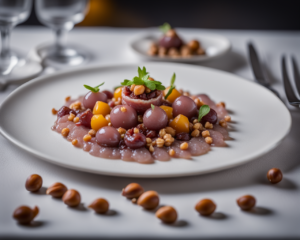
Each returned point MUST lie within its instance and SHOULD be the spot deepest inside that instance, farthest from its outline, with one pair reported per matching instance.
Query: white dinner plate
(261, 120)
(214, 45)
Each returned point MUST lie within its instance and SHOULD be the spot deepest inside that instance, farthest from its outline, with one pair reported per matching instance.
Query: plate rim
(55, 161)
(152, 31)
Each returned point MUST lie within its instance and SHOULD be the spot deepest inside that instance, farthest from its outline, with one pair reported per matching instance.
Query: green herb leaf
(169, 92)
(137, 81)
(89, 88)
(150, 84)
(165, 27)
(172, 86)
(142, 79)
(204, 110)
(93, 89)
(142, 73)
(160, 87)
(152, 106)
(125, 82)
(173, 79)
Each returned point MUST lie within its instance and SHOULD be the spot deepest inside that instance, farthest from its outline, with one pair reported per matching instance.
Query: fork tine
(287, 85)
(296, 74)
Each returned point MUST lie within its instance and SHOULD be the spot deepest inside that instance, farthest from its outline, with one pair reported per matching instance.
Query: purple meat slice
(141, 105)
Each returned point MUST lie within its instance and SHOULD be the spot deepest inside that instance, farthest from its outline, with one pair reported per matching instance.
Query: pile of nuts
(140, 89)
(193, 48)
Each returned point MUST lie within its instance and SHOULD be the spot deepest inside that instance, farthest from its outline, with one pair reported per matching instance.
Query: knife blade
(256, 65)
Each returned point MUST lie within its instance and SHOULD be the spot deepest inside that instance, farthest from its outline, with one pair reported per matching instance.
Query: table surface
(277, 214)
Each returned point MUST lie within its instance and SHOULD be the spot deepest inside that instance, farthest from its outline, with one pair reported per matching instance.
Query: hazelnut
(185, 51)
(34, 183)
(25, 215)
(194, 45)
(153, 50)
(65, 131)
(173, 52)
(201, 51)
(56, 190)
(100, 205)
(149, 200)
(246, 202)
(171, 33)
(162, 51)
(138, 90)
(171, 152)
(184, 146)
(74, 142)
(71, 198)
(132, 190)
(205, 207)
(274, 175)
(167, 214)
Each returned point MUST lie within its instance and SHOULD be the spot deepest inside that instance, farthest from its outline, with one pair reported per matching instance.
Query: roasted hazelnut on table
(274, 175)
(132, 190)
(205, 207)
(167, 214)
(33, 183)
(100, 205)
(246, 202)
(72, 198)
(148, 200)
(57, 190)
(24, 214)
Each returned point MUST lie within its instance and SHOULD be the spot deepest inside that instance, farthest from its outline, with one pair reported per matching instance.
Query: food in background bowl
(171, 44)
(142, 121)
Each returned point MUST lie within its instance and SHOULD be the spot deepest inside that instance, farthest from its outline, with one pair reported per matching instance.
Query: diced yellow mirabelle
(118, 93)
(172, 97)
(180, 124)
(98, 121)
(101, 108)
(168, 110)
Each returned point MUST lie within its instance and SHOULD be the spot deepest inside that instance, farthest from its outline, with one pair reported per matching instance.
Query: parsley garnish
(204, 110)
(152, 106)
(172, 86)
(142, 79)
(93, 89)
(165, 27)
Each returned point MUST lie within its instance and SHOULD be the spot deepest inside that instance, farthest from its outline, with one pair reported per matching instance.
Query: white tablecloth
(277, 214)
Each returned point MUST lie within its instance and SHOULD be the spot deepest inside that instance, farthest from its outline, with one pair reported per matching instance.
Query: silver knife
(257, 69)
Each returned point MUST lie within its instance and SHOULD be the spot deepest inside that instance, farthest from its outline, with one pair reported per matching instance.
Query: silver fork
(291, 96)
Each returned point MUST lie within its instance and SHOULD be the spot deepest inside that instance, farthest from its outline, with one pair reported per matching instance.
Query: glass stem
(60, 39)
(5, 32)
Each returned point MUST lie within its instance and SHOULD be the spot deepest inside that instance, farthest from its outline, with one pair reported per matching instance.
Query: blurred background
(214, 14)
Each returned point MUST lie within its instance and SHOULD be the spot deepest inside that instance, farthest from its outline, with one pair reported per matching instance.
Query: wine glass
(61, 16)
(12, 12)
